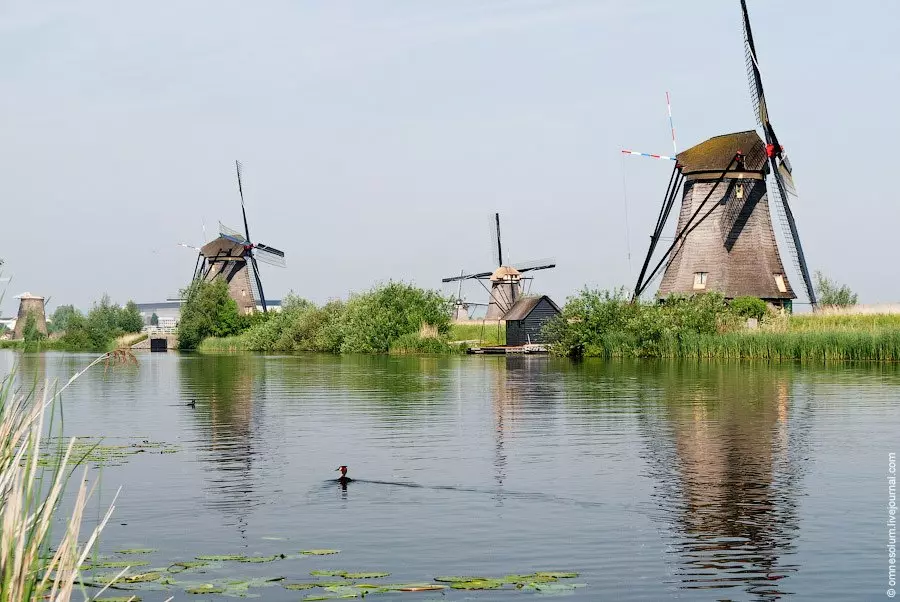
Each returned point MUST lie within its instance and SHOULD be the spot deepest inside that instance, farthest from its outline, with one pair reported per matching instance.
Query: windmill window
(779, 282)
(700, 280)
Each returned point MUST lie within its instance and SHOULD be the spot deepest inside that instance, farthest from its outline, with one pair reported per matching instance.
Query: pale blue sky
(377, 136)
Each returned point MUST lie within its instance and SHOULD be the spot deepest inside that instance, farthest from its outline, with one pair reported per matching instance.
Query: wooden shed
(527, 317)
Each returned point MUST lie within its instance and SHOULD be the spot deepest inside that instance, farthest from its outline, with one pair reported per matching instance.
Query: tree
(208, 311)
(830, 292)
(61, 318)
(154, 319)
(749, 307)
(130, 319)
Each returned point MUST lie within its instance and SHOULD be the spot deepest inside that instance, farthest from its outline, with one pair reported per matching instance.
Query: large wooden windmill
(505, 280)
(233, 257)
(724, 240)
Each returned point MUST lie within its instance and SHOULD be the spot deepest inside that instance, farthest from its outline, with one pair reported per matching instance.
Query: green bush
(99, 329)
(370, 322)
(749, 307)
(208, 311)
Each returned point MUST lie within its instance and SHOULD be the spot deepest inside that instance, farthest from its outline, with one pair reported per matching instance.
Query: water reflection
(223, 387)
(725, 480)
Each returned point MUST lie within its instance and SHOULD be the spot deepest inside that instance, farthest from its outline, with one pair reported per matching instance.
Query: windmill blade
(237, 168)
(267, 256)
(536, 264)
(187, 246)
(231, 234)
(495, 239)
(753, 73)
(467, 277)
(785, 174)
(259, 287)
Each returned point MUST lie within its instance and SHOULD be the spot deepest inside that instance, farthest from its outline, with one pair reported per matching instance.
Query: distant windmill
(724, 240)
(506, 279)
(233, 256)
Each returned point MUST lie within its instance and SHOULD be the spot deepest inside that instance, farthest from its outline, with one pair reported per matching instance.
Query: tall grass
(487, 333)
(30, 495)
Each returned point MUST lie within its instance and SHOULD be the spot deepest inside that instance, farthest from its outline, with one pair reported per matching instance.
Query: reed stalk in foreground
(30, 495)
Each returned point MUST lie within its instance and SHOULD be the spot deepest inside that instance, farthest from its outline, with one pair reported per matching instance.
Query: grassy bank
(605, 324)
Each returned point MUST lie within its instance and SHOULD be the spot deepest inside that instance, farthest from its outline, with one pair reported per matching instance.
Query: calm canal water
(653, 480)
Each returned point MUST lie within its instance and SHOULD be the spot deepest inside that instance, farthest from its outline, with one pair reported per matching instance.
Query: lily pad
(206, 588)
(415, 587)
(141, 577)
(186, 565)
(368, 575)
(137, 551)
(552, 587)
(557, 575)
(120, 564)
(299, 586)
(478, 584)
(260, 558)
(454, 579)
(327, 573)
(220, 557)
(319, 552)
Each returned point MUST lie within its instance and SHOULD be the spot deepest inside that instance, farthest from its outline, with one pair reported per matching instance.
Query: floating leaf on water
(206, 588)
(319, 552)
(368, 575)
(344, 591)
(414, 587)
(137, 551)
(552, 587)
(141, 577)
(186, 565)
(267, 538)
(327, 573)
(221, 557)
(454, 579)
(478, 584)
(298, 586)
(260, 558)
(556, 575)
(120, 564)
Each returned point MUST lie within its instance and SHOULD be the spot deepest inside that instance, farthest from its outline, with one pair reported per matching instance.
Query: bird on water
(343, 478)
(192, 403)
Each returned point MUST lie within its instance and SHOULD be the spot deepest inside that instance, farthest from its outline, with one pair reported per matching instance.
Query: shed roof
(525, 305)
(716, 153)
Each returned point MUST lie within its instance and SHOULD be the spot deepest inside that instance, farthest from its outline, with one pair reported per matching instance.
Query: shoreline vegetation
(106, 327)
(605, 324)
(398, 318)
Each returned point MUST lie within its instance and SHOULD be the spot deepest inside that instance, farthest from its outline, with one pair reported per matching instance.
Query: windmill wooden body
(505, 280)
(233, 257)
(30, 305)
(724, 240)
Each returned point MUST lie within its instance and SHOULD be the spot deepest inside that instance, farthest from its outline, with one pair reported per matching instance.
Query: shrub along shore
(605, 324)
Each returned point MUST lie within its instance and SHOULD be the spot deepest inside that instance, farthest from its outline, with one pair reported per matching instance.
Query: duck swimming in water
(343, 478)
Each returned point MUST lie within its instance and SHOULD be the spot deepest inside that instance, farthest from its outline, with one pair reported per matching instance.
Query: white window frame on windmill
(700, 279)
(779, 282)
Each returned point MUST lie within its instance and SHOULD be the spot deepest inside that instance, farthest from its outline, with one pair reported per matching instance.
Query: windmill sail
(780, 166)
